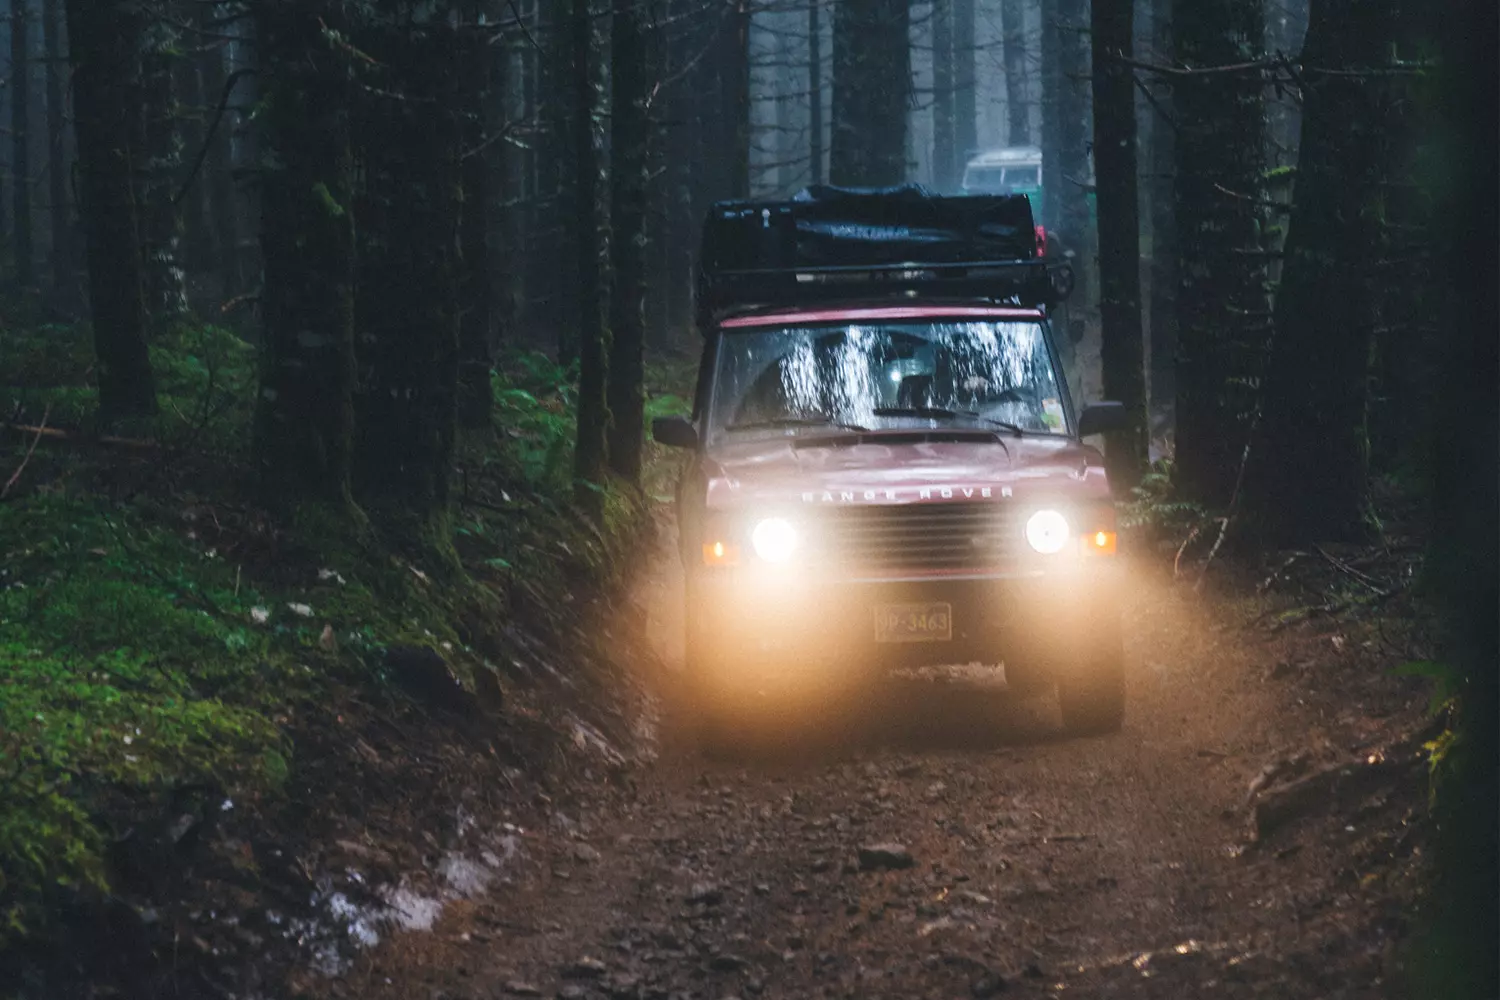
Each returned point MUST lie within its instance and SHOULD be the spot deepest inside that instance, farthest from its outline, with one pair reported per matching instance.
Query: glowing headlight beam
(1047, 531)
(774, 539)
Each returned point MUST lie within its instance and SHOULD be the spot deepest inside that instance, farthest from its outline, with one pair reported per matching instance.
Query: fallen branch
(1234, 499)
(1189, 71)
(1351, 572)
(1283, 206)
(1177, 563)
(1266, 583)
(77, 437)
(1223, 530)
(1337, 786)
(1292, 617)
(16, 476)
(239, 300)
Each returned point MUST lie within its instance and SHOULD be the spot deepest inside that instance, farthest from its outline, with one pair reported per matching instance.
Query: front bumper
(799, 626)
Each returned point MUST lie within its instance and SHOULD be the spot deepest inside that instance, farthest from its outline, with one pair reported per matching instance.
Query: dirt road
(951, 843)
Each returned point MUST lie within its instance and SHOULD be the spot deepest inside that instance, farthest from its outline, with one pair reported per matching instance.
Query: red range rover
(887, 469)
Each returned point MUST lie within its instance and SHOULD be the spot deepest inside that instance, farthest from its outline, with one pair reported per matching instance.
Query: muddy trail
(1254, 831)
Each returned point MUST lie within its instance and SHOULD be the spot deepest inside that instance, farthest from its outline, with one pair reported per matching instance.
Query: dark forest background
(1248, 190)
(347, 245)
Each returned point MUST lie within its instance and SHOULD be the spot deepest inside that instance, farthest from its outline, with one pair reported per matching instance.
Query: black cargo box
(830, 227)
(841, 243)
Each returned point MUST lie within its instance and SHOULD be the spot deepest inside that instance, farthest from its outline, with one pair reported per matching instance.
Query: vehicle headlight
(1047, 531)
(774, 540)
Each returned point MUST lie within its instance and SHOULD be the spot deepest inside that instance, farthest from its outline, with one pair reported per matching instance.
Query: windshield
(1002, 179)
(893, 375)
(1018, 177)
(985, 179)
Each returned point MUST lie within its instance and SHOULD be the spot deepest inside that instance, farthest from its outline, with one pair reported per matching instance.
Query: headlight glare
(774, 539)
(1047, 532)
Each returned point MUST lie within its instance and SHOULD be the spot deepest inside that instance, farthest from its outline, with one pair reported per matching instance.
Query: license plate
(913, 622)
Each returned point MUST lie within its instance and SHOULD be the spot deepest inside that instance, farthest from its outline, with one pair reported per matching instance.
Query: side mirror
(1102, 418)
(674, 432)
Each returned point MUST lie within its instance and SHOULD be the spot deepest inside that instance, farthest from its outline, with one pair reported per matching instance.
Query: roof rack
(831, 244)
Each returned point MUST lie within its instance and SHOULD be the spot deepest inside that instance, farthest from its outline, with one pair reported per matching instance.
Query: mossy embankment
(195, 693)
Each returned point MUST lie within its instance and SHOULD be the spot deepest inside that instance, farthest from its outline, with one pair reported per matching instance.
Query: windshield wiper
(939, 413)
(807, 420)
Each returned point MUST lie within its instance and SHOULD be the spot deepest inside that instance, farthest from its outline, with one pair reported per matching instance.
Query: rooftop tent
(846, 243)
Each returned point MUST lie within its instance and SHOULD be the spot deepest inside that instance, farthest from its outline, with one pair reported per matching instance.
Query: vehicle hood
(901, 467)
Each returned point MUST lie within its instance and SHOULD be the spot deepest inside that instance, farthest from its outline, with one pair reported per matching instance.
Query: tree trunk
(556, 278)
(1455, 954)
(1074, 116)
(1123, 355)
(243, 154)
(103, 42)
(1308, 477)
(1018, 115)
(628, 165)
(476, 325)
(965, 84)
(20, 124)
(593, 413)
(161, 230)
(1051, 53)
(734, 113)
(1221, 298)
(193, 116)
(945, 165)
(1161, 189)
(305, 421)
(408, 140)
(1286, 26)
(815, 90)
(675, 283)
(871, 93)
(60, 220)
(218, 176)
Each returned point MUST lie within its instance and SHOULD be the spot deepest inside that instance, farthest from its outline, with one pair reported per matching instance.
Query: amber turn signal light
(1100, 543)
(720, 554)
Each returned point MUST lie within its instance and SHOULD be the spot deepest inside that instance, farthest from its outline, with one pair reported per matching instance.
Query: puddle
(411, 911)
(346, 926)
(464, 876)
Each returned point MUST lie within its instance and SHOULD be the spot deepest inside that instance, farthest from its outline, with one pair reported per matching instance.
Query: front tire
(715, 727)
(1091, 692)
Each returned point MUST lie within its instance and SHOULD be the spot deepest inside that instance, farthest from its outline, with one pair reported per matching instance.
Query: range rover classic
(887, 470)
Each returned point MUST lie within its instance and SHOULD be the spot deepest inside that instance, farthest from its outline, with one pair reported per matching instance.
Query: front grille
(934, 536)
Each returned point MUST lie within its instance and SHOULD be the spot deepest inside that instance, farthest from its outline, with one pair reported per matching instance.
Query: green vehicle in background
(1010, 170)
(1016, 170)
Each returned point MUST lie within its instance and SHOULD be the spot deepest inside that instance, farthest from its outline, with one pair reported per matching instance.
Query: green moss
(153, 642)
(120, 668)
(205, 374)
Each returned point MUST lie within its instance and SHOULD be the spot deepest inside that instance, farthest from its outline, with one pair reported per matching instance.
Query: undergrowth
(158, 632)
(1155, 511)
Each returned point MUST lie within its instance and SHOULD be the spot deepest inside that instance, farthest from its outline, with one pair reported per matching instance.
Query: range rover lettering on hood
(913, 493)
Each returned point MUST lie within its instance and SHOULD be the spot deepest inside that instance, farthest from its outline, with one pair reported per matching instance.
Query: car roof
(794, 317)
(1011, 155)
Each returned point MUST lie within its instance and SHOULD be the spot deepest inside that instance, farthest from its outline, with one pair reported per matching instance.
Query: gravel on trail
(947, 841)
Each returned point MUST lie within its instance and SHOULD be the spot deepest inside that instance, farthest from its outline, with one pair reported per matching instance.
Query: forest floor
(1257, 829)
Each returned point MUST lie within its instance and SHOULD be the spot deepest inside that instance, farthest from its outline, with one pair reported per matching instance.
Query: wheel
(1025, 677)
(1091, 691)
(718, 730)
